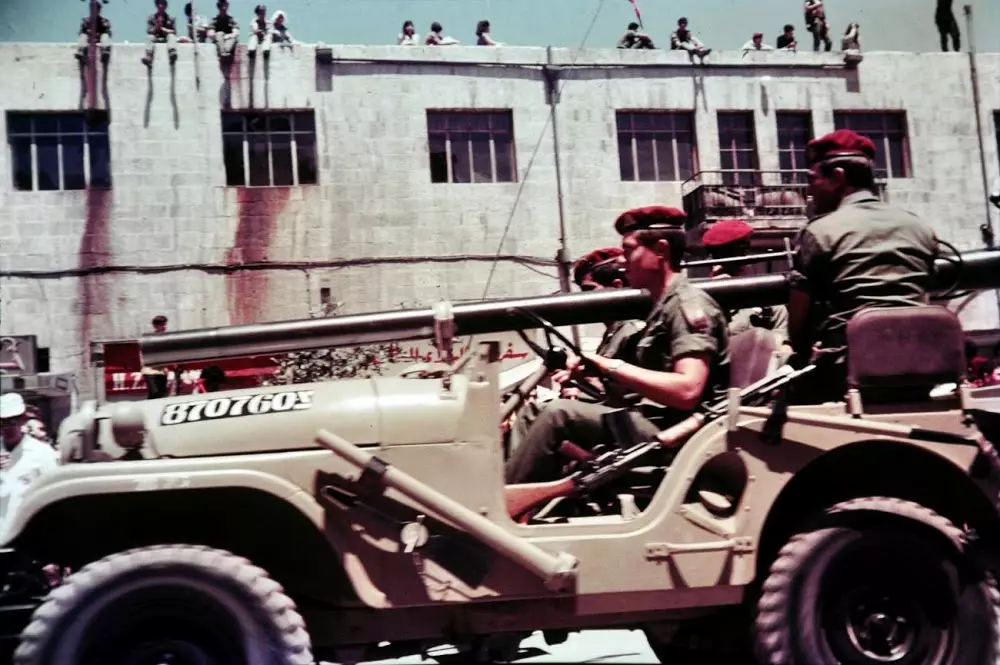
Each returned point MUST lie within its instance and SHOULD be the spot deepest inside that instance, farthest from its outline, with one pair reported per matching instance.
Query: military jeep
(366, 519)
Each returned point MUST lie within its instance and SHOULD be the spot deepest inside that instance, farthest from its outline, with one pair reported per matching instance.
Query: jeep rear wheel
(864, 592)
(179, 604)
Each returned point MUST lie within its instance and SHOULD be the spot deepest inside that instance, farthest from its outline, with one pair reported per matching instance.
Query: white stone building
(216, 203)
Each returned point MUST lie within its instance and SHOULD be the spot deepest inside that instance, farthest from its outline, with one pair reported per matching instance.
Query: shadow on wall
(173, 97)
(104, 85)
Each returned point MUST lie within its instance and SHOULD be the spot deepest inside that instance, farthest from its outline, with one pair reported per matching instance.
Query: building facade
(382, 177)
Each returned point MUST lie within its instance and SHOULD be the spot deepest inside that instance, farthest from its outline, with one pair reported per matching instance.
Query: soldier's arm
(687, 338)
(806, 276)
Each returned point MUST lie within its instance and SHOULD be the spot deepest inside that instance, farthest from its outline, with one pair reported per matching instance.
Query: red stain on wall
(258, 209)
(94, 252)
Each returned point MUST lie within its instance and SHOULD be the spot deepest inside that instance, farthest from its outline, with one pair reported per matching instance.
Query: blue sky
(893, 25)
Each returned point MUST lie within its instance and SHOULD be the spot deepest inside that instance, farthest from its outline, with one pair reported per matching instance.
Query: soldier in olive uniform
(600, 269)
(680, 358)
(859, 252)
(730, 238)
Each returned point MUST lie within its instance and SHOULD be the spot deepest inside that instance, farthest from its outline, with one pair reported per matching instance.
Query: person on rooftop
(224, 30)
(435, 38)
(279, 30)
(817, 24)
(160, 28)
(103, 37)
(483, 35)
(756, 44)
(634, 38)
(260, 33)
(852, 38)
(947, 26)
(408, 36)
(786, 40)
(683, 39)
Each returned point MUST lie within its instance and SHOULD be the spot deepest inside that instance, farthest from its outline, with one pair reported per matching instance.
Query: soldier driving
(600, 269)
(859, 252)
(679, 359)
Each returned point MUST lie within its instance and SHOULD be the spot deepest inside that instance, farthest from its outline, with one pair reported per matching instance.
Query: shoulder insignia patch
(695, 315)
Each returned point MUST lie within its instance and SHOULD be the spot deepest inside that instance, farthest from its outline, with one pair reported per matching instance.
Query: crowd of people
(263, 32)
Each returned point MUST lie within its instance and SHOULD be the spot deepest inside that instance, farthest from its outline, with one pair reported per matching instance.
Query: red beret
(726, 232)
(586, 264)
(841, 143)
(649, 217)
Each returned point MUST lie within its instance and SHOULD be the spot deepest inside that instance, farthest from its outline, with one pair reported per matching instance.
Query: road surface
(595, 646)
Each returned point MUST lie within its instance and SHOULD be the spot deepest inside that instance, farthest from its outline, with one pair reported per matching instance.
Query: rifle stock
(522, 498)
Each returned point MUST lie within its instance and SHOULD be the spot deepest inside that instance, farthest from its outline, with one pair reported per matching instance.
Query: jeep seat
(752, 355)
(897, 355)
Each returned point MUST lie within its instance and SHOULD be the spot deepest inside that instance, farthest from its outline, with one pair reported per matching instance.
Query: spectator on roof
(279, 30)
(483, 35)
(408, 37)
(817, 24)
(947, 26)
(197, 27)
(786, 40)
(634, 38)
(434, 37)
(852, 38)
(683, 39)
(756, 44)
(260, 33)
(103, 36)
(224, 30)
(160, 28)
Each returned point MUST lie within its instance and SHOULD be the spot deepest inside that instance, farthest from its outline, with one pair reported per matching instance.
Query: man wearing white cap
(22, 457)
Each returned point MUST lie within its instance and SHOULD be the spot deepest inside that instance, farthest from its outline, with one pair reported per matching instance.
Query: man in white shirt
(23, 458)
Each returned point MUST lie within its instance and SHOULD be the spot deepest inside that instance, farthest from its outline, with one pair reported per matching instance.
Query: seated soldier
(859, 252)
(600, 269)
(680, 359)
(730, 238)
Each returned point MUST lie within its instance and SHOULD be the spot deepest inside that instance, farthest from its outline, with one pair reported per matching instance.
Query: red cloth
(841, 143)
(646, 217)
(726, 232)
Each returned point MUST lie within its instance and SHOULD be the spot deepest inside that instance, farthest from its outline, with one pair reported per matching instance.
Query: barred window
(59, 151)
(887, 129)
(794, 132)
(471, 146)
(656, 145)
(271, 148)
(738, 148)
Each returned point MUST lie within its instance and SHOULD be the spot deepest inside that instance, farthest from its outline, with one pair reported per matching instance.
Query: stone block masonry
(374, 229)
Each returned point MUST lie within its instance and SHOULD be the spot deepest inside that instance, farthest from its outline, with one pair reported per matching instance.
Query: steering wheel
(554, 357)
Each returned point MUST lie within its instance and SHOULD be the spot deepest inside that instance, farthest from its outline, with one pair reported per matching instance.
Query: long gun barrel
(977, 270)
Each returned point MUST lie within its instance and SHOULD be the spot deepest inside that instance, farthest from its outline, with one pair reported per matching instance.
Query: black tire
(201, 604)
(858, 591)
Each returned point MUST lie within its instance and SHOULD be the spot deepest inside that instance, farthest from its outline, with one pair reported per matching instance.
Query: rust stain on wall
(94, 252)
(258, 210)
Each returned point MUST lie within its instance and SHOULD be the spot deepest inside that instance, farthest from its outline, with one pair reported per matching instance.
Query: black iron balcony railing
(774, 195)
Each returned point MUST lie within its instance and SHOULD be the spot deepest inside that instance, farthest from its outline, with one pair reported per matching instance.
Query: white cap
(11, 406)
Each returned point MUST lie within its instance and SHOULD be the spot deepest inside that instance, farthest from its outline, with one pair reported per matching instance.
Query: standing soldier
(160, 28)
(730, 238)
(859, 252)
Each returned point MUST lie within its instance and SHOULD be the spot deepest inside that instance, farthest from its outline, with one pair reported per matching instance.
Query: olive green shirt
(618, 338)
(864, 254)
(686, 321)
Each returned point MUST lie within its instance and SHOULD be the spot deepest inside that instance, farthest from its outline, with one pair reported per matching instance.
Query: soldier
(730, 238)
(680, 358)
(600, 269)
(859, 252)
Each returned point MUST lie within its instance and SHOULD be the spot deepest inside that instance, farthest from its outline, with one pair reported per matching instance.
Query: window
(794, 132)
(738, 148)
(656, 145)
(471, 146)
(54, 151)
(270, 149)
(888, 130)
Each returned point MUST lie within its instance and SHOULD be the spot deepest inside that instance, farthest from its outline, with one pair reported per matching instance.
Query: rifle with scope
(602, 469)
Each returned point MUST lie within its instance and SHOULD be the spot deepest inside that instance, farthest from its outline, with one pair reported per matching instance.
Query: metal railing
(749, 193)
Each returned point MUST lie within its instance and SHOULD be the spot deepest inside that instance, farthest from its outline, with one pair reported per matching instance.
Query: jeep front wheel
(862, 591)
(178, 604)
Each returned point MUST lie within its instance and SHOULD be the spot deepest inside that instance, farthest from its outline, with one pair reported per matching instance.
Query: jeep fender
(66, 484)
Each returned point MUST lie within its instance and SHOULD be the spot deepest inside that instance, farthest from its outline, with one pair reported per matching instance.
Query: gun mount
(972, 271)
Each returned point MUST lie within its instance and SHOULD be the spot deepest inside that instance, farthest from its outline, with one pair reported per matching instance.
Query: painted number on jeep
(230, 407)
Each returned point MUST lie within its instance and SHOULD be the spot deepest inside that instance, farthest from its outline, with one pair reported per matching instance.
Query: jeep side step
(558, 571)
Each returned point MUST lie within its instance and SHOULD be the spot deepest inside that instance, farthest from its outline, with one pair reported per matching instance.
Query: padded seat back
(751, 356)
(897, 354)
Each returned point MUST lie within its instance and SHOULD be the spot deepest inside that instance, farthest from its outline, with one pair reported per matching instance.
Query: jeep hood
(367, 412)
